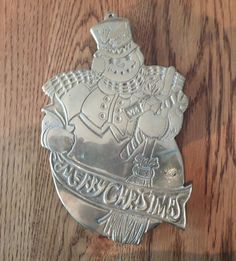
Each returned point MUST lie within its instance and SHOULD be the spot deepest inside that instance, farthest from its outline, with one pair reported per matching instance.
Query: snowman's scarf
(124, 228)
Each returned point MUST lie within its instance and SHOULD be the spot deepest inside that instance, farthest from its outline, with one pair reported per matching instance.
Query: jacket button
(118, 119)
(106, 99)
(101, 115)
(103, 106)
(119, 110)
(120, 102)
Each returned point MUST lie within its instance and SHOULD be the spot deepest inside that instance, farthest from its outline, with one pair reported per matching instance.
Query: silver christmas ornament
(110, 131)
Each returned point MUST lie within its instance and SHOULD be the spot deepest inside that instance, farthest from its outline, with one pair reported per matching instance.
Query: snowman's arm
(55, 118)
(164, 109)
(172, 95)
(50, 121)
(168, 82)
(168, 92)
(173, 103)
(62, 90)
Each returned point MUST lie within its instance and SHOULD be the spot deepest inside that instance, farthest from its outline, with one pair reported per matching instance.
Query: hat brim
(118, 52)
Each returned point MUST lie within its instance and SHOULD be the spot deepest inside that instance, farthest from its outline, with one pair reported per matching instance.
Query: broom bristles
(124, 228)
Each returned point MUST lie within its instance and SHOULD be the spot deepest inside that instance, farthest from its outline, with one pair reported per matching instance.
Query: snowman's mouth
(123, 68)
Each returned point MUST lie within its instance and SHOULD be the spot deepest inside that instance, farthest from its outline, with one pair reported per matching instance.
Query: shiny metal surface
(110, 130)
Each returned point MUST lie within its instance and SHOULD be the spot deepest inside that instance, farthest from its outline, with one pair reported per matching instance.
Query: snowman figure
(120, 118)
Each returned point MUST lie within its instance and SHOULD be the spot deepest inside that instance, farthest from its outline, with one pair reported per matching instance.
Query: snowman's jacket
(103, 106)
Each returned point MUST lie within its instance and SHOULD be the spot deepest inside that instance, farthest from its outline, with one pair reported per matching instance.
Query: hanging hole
(110, 15)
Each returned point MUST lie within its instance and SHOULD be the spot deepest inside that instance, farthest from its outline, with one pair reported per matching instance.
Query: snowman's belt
(109, 193)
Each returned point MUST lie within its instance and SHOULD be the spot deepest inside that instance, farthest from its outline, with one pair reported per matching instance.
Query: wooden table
(42, 38)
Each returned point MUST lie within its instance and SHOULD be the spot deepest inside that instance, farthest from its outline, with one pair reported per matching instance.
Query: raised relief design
(111, 130)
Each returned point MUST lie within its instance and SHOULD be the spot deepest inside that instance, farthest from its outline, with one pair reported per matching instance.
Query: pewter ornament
(110, 131)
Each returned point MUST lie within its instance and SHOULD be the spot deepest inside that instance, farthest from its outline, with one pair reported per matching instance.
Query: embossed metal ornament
(111, 130)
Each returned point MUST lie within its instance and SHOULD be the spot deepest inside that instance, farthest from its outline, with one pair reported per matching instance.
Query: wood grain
(40, 38)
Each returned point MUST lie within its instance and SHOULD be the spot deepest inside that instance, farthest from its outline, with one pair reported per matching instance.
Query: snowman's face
(119, 69)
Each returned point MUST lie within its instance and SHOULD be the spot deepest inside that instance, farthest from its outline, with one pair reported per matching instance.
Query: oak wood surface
(40, 38)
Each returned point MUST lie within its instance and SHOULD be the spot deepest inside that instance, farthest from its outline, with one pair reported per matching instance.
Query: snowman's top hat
(113, 35)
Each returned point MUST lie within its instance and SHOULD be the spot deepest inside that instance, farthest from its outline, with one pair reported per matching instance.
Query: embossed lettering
(109, 195)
